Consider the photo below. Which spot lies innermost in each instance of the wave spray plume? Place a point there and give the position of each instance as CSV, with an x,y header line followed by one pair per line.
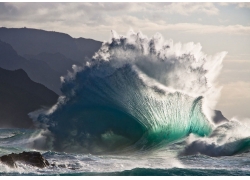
x,y
135,93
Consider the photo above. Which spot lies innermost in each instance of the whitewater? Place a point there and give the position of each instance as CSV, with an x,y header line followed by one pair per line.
x,y
139,106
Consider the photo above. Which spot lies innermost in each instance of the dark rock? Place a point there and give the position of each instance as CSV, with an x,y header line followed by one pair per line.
x,y
218,117
31,158
62,166
7,159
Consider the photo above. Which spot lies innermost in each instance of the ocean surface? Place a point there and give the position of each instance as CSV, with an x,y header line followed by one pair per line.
x,y
162,162
140,106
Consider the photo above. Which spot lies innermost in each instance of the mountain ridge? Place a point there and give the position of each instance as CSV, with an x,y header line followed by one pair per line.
x,y
38,71
19,95
34,41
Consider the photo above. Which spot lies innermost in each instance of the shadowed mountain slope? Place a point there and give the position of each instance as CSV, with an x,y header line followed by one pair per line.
x,y
19,95
56,61
38,71
34,41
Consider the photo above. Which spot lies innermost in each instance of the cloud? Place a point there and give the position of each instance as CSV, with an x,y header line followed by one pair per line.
x,y
243,4
82,18
205,29
238,4
63,9
79,18
188,8
148,25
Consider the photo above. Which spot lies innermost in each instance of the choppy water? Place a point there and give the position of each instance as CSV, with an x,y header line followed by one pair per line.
x,y
165,161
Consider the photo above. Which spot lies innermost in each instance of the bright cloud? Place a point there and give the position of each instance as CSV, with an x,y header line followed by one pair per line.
x,y
107,16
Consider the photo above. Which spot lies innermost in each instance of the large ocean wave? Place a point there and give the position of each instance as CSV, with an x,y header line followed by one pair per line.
x,y
135,93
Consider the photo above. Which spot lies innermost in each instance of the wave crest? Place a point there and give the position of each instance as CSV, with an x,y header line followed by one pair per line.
x,y
135,92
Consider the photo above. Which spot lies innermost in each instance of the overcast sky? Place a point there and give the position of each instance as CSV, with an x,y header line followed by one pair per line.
x,y
217,26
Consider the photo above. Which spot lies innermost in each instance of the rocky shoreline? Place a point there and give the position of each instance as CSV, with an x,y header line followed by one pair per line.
x,y
30,158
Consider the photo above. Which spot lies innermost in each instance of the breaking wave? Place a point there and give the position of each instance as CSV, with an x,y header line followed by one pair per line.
x,y
228,139
135,93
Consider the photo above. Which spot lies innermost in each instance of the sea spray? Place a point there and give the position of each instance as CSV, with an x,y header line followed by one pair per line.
x,y
229,138
135,92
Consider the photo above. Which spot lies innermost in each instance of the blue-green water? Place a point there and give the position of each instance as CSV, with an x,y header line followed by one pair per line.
x,y
161,162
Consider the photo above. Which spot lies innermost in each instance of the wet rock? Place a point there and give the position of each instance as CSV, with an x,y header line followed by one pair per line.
x,y
219,117
31,158
6,159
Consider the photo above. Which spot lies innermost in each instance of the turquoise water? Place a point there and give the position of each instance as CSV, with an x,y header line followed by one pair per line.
x,y
161,162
